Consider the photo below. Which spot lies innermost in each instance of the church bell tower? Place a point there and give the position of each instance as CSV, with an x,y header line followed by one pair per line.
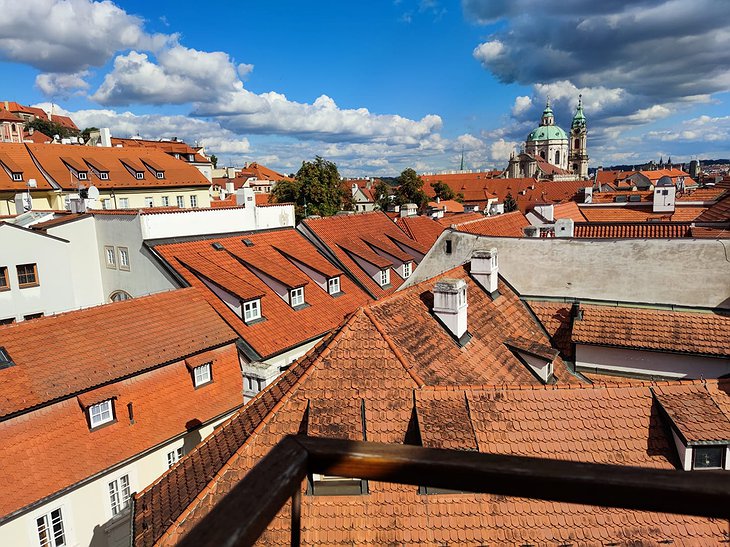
x,y
578,155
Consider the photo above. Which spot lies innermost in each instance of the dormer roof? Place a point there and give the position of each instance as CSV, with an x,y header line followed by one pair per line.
x,y
694,414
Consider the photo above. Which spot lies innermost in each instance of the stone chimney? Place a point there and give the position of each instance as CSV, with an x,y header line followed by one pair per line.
x,y
485,269
449,305
564,227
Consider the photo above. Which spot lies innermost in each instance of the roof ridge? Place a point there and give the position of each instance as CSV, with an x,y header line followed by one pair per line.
x,y
391,344
564,386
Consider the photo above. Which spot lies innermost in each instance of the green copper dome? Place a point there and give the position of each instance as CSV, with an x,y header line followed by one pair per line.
x,y
579,119
547,133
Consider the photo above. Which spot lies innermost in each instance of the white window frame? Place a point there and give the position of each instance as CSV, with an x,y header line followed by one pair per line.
x,y
193,202
149,201
97,411
105,203
174,456
110,257
82,175
119,494
139,175
252,310
124,203
333,285
18,177
407,269
46,527
160,174
296,297
103,175
384,277
202,375
180,201
165,201
123,258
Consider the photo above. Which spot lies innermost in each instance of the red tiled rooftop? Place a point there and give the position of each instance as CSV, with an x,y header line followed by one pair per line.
x,y
420,228
638,230
694,413
557,320
570,210
505,225
623,213
17,154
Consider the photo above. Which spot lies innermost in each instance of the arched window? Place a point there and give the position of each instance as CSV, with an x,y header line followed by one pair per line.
x,y
557,157
576,144
118,296
542,154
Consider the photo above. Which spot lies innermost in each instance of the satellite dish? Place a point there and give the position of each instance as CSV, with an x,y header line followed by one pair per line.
x,y
32,183
93,192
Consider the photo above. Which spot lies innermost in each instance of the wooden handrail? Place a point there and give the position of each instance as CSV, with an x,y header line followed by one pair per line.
x,y
245,512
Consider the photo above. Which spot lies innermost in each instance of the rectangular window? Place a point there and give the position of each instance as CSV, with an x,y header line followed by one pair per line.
x,y
174,456
406,270
4,283
8,321
251,310
50,529
160,174
384,277
101,413
708,457
124,203
149,202
165,201
180,201
139,175
27,275
103,175
296,297
18,177
33,316
123,258
119,494
110,256
333,285
193,201
202,374
81,175
105,203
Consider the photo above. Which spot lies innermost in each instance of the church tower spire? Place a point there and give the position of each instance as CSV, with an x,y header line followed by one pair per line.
x,y
578,154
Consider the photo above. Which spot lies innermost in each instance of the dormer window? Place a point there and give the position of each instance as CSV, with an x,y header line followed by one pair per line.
x,y
160,174
407,270
384,277
202,375
708,457
139,175
252,310
103,175
18,177
81,175
101,413
296,297
333,285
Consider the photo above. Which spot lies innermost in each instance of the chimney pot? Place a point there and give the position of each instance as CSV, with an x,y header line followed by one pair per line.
x,y
450,306
485,270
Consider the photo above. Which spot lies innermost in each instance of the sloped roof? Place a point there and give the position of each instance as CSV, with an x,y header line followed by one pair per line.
x,y
719,212
623,213
177,172
506,225
657,330
638,230
448,205
568,209
164,327
694,413
17,154
460,218
557,319
261,172
169,147
420,228
347,235
196,260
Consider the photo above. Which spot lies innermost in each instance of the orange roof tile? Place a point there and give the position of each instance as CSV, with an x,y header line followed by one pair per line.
x,y
164,327
18,156
719,212
694,413
278,250
657,330
505,225
622,213
52,158
261,172
420,228
638,230
570,210
448,205
557,319
183,150
449,220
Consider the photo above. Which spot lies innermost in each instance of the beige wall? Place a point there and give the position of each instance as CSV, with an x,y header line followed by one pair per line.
x,y
137,197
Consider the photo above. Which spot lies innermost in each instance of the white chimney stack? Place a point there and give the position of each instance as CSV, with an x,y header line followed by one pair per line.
x,y
564,227
245,197
408,210
485,269
105,137
449,305
230,188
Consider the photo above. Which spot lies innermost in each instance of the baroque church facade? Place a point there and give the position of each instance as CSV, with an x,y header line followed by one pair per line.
x,y
549,153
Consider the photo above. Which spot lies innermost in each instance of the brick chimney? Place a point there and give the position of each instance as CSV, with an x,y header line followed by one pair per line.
x,y
485,270
449,305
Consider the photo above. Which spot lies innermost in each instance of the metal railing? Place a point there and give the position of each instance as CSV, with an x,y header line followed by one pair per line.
x,y
245,512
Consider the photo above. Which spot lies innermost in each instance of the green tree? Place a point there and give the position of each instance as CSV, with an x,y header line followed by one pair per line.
x,y
509,203
86,133
214,161
410,189
50,128
382,193
459,197
442,190
315,190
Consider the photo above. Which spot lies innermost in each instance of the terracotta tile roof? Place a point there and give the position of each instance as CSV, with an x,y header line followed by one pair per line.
x,y
639,214
6,116
646,197
261,172
569,209
230,201
694,413
176,173
37,137
639,230
17,155
263,199
616,424
448,205
420,228
611,177
459,219
271,250
557,319
171,148
347,236
165,327
505,225
716,232
657,330
719,212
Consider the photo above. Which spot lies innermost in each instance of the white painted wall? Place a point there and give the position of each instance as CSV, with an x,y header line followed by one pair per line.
x,y
629,361
56,291
86,509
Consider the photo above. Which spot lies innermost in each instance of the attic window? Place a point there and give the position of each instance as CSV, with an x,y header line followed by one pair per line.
x,y
330,485
217,246
252,310
139,175
101,413
384,277
81,175
5,360
202,375
708,457
296,297
160,174
103,175
247,242
18,177
333,285
407,270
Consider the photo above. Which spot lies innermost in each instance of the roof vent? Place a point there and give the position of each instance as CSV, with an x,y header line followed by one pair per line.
x,y
217,246
449,305
247,242
484,270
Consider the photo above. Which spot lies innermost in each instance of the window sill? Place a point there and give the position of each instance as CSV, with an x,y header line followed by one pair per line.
x,y
336,294
386,286
29,285
102,426
300,307
201,386
255,321
3,289
124,269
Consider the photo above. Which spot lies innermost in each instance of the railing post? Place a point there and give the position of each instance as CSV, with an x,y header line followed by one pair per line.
x,y
296,518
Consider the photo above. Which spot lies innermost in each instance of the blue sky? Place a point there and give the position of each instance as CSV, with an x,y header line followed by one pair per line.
x,y
384,85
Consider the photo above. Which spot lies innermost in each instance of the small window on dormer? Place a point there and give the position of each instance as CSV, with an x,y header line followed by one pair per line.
x,y
407,270
251,310
139,175
5,360
202,375
101,413
708,457
18,177
160,174
81,175
333,285
103,175
296,297
384,277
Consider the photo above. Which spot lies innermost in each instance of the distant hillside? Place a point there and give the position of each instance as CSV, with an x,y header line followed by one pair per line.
x,y
642,165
